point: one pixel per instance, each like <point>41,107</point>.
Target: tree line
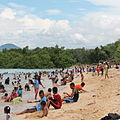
<point>58,57</point>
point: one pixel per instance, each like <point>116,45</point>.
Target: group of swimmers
<point>46,99</point>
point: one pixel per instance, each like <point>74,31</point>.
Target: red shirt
<point>98,69</point>
<point>12,96</point>
<point>58,99</point>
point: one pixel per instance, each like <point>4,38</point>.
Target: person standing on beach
<point>98,70</point>
<point>39,79</point>
<point>36,86</point>
<point>93,71</point>
<point>102,68</point>
<point>82,76</point>
<point>106,67</point>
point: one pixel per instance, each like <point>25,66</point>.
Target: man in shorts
<point>74,96</point>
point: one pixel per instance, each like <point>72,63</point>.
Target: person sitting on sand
<point>39,107</point>
<point>80,87</point>
<point>45,109</point>
<point>56,101</point>
<point>48,94</point>
<point>73,97</point>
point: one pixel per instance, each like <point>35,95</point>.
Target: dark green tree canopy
<point>57,57</point>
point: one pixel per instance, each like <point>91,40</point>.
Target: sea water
<point>28,95</point>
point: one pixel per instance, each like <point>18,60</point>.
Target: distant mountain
<point>9,46</point>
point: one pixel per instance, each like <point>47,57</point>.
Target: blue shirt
<point>39,107</point>
<point>36,83</point>
<point>19,92</point>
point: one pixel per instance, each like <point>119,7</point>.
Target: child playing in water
<point>2,88</point>
<point>12,96</point>
<point>20,91</point>
<point>5,96</point>
<point>7,112</point>
<point>27,87</point>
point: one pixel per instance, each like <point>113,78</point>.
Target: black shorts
<point>31,110</point>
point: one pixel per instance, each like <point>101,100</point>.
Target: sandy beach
<point>103,97</point>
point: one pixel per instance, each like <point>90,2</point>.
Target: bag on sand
<point>111,116</point>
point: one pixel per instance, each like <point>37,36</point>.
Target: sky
<point>68,23</point>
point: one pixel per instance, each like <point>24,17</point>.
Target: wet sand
<point>103,97</point>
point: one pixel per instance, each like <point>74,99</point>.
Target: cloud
<point>79,36</point>
<point>53,12</point>
<point>74,1</point>
<point>8,13</point>
<point>112,3</point>
<point>14,5</point>
<point>26,29</point>
<point>99,28</point>
<point>81,9</point>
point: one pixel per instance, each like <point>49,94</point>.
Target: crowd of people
<point>52,97</point>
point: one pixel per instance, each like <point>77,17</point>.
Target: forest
<point>58,57</point>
